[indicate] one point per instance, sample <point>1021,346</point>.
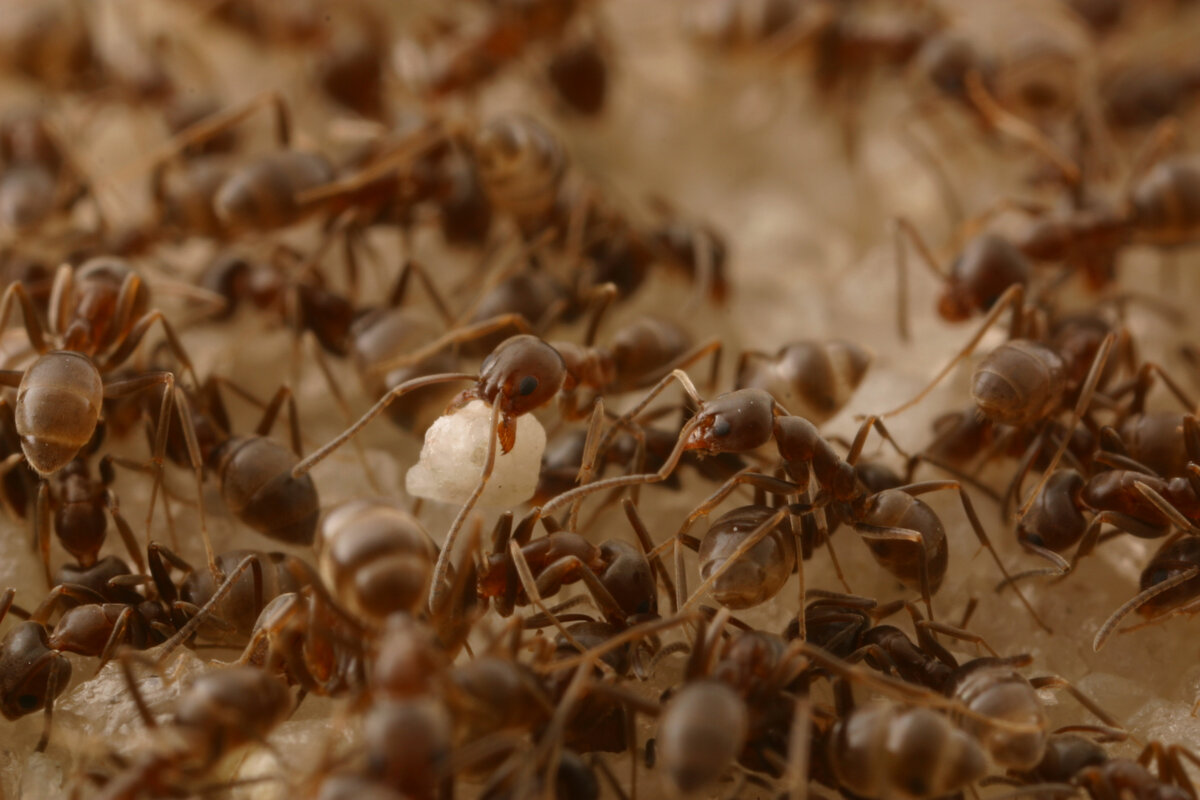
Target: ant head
<point>735,422</point>
<point>26,664</point>
<point>521,374</point>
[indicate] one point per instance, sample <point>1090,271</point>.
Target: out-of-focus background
<point>804,184</point>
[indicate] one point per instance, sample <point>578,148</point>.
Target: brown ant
<point>523,373</point>
<point>254,470</point>
<point>275,190</point>
<point>40,177</point>
<point>1024,383</point>
<point>514,27</point>
<point>903,533</point>
<point>220,712</point>
<point>1169,586</point>
<point>620,578</point>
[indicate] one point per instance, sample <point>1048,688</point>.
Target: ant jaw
<point>506,432</point>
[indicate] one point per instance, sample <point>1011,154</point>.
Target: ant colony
<point>599,399</point>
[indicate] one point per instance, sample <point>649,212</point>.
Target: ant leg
<point>1162,140</point>
<point>902,227</point>
<point>340,400</point>
<point>681,590</point>
<point>184,633</point>
<point>126,301</point>
<point>1081,406</point>
<point>1016,128</point>
<point>631,634</point>
<point>798,745</point>
<point>442,567</point>
<point>628,480</point>
<point>554,575</point>
<point>602,299</point>
<point>525,575</point>
<point>41,528</point>
<point>400,289</point>
<point>380,166</point>
<point>755,479</point>
<point>647,544</point>
<point>860,439</point>
<point>888,534</point>
<point>55,683</point>
<point>174,396</point>
<point>1138,600</point>
<point>711,348</point>
<point>7,466</point>
<point>977,526</point>
<point>624,421</point>
<point>1057,682</point>
<point>1145,379</point>
<point>587,464</point>
<point>396,391</point>
<point>1013,490</point>
<point>752,539</point>
<point>1091,534</point>
<point>924,155</point>
<point>1173,514</point>
<point>127,536</point>
<point>72,591</point>
<point>62,299</point>
<point>456,336</point>
<point>956,632</point>
<point>1013,296</point>
<point>126,658</point>
<point>214,124</point>
<point>138,332</point>
<point>33,328</point>
<point>120,631</point>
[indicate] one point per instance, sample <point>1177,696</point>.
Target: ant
<point>1078,761</point>
<point>513,28</point>
<point>1024,383</point>
<point>1169,587</point>
<point>219,713</point>
<point>275,190</point>
<point>1155,211</point>
<point>903,533</point>
<point>40,177</point>
<point>254,471</point>
<point>620,578</point>
<point>523,373</point>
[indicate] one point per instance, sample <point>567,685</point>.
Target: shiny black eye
<point>527,386</point>
<point>27,702</point>
<point>721,427</point>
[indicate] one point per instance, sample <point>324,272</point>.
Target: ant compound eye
<point>27,702</point>
<point>722,427</point>
<point>527,386</point>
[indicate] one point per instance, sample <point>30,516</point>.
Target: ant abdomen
<point>759,574</point>
<point>241,203</point>
<point>1166,203</point>
<point>983,272</point>
<point>883,751</point>
<point>1019,383</point>
<point>58,407</point>
<point>1173,558</point>
<point>994,690</point>
<point>811,379</point>
<point>375,557</point>
<point>258,488</point>
<point>896,509</point>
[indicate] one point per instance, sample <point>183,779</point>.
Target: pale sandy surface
<point>745,147</point>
